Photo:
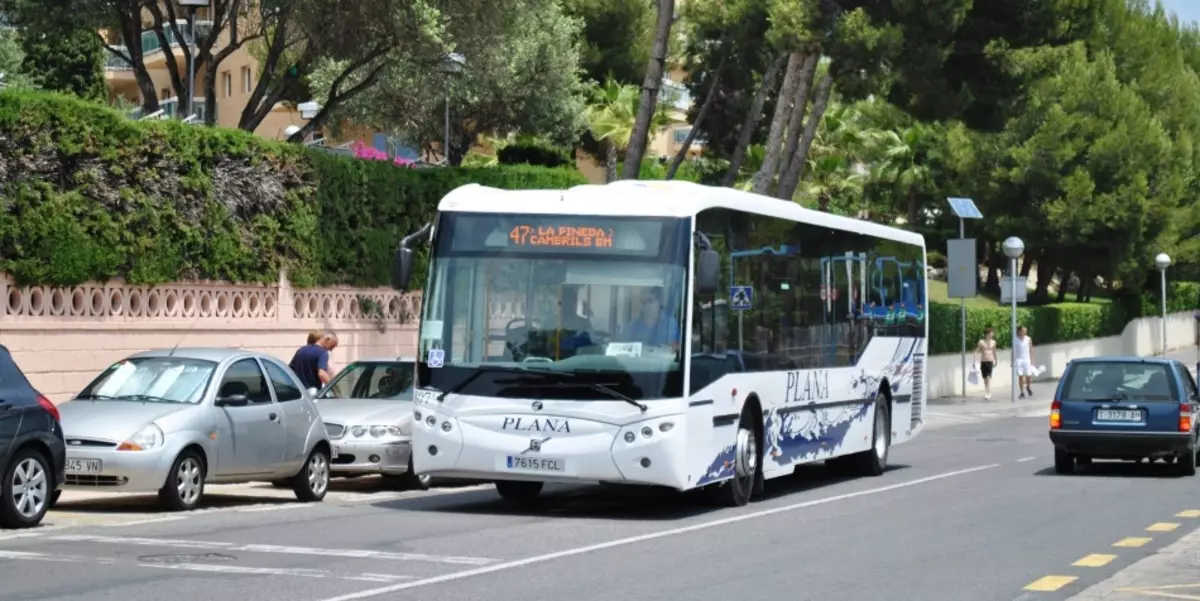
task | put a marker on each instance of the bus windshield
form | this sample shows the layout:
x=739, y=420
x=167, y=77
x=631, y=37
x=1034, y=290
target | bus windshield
x=555, y=307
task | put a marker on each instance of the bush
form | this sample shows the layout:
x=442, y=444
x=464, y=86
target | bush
x=535, y=154
x=1049, y=324
x=89, y=194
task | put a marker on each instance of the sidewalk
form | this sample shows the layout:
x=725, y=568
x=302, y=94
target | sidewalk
x=1043, y=392
x=1171, y=573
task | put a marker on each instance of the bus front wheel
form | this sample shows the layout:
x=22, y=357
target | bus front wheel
x=737, y=491
x=518, y=492
x=873, y=462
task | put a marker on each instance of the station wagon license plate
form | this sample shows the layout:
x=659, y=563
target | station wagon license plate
x=1118, y=415
x=536, y=464
x=84, y=466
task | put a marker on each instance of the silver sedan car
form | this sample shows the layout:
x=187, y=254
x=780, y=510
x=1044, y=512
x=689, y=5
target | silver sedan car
x=174, y=421
x=368, y=413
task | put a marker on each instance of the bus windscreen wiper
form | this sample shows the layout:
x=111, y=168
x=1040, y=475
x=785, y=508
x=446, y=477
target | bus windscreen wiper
x=482, y=369
x=604, y=388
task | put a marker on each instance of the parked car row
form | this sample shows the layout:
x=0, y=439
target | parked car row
x=174, y=421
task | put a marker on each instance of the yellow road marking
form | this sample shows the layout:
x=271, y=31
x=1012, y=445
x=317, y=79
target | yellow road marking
x=1132, y=542
x=1162, y=527
x=1190, y=513
x=1050, y=583
x=1094, y=560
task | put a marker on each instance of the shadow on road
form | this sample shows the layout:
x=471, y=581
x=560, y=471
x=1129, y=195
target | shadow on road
x=615, y=501
x=1117, y=469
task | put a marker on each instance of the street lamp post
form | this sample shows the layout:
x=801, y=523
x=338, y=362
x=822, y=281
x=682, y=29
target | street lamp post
x=1013, y=249
x=1162, y=262
x=452, y=64
x=192, y=6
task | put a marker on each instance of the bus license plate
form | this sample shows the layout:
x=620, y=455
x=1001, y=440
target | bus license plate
x=1118, y=415
x=84, y=466
x=536, y=464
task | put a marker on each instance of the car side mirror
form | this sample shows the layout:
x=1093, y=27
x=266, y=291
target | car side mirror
x=233, y=400
x=708, y=272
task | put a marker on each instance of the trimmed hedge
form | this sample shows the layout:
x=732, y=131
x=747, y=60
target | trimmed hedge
x=89, y=194
x=1053, y=323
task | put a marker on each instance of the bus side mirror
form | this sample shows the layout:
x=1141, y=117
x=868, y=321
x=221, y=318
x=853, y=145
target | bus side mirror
x=402, y=268
x=708, y=272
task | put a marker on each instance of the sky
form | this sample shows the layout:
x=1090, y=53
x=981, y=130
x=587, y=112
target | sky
x=1186, y=10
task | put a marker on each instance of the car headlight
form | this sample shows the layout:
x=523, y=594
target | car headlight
x=150, y=437
x=376, y=431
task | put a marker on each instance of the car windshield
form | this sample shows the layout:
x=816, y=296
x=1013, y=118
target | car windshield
x=386, y=380
x=581, y=301
x=153, y=379
x=1120, y=381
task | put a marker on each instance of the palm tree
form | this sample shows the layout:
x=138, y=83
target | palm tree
x=906, y=161
x=611, y=117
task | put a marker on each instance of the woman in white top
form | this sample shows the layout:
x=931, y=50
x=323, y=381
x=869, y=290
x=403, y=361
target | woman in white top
x=1023, y=361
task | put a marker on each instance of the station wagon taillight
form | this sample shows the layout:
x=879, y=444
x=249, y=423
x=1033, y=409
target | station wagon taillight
x=1185, y=417
x=1055, y=415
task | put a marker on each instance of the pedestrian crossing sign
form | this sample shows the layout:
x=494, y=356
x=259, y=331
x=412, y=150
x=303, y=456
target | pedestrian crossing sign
x=741, y=297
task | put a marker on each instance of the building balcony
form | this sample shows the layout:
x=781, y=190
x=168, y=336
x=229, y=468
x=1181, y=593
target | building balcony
x=152, y=48
x=170, y=109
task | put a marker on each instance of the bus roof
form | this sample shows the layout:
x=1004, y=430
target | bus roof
x=653, y=199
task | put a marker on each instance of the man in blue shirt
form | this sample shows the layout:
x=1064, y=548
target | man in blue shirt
x=654, y=327
x=311, y=362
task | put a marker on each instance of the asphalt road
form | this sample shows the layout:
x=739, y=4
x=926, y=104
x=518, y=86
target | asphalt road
x=970, y=511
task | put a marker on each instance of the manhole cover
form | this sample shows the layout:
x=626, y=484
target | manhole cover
x=186, y=558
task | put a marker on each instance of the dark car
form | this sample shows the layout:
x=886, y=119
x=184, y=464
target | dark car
x=32, y=451
x=1124, y=408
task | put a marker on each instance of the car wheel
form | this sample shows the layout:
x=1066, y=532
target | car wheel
x=54, y=498
x=414, y=481
x=1064, y=463
x=1187, y=463
x=26, y=490
x=312, y=481
x=184, y=488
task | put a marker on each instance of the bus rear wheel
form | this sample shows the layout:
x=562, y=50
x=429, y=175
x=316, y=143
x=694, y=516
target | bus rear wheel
x=737, y=491
x=518, y=492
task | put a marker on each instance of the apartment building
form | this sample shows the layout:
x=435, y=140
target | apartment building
x=237, y=76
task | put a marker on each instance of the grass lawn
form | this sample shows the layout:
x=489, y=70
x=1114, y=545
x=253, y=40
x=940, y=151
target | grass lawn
x=938, y=293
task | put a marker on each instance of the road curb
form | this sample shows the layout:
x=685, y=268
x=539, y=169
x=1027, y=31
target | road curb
x=1181, y=557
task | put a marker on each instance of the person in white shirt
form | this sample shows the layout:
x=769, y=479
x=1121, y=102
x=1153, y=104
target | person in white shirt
x=1023, y=361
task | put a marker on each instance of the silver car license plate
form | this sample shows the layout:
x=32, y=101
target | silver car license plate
x=84, y=466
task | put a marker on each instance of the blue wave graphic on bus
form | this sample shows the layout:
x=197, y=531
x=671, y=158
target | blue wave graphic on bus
x=802, y=435
x=721, y=468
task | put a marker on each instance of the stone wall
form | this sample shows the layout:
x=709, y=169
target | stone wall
x=64, y=337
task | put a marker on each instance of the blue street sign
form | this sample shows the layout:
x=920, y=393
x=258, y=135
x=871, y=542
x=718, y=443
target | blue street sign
x=436, y=357
x=741, y=297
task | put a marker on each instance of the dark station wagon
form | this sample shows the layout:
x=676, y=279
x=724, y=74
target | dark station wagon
x=1125, y=408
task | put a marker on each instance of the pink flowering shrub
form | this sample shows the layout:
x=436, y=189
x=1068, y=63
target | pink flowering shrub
x=362, y=151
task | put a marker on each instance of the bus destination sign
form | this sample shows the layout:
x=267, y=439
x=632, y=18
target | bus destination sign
x=560, y=236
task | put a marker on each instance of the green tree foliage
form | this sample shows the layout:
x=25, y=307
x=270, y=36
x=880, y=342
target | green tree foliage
x=64, y=59
x=11, y=57
x=89, y=195
x=521, y=76
x=616, y=37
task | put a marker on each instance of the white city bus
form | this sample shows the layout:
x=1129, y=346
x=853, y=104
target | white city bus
x=661, y=333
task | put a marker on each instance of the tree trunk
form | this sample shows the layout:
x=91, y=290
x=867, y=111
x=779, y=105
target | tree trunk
x=996, y=263
x=709, y=98
x=795, y=124
x=1064, y=280
x=610, y=161
x=766, y=174
x=648, y=102
x=746, y=133
x=1046, y=269
x=795, y=171
x=1026, y=265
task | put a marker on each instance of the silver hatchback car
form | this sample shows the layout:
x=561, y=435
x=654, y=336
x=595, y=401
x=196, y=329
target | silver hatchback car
x=172, y=421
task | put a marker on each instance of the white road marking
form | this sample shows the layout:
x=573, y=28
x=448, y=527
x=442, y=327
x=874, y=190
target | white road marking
x=1024, y=459
x=278, y=549
x=257, y=508
x=648, y=537
x=206, y=567
x=169, y=518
